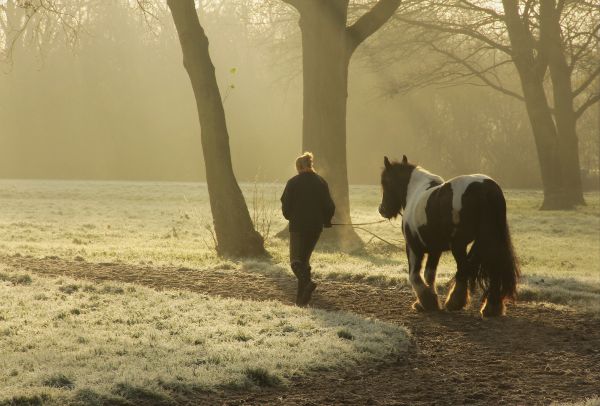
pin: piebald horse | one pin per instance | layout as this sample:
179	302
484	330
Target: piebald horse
438	216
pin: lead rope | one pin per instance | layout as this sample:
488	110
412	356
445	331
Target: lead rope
358	224
358	227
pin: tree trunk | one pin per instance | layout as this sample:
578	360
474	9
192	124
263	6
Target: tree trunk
327	46
531	73
325	72
566	120
556	196
234	230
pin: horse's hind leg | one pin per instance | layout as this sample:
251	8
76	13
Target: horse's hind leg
459	294
493	305
493	302
427	300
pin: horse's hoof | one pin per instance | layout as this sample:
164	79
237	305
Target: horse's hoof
454	306
457	298
493	309
418	307
455	303
427	303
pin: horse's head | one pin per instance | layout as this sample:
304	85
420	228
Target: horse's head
394	181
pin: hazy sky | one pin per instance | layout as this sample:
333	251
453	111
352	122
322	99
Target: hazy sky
119	105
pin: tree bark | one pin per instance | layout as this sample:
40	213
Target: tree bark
553	126
325	71
531	72
327	47
565	117
233	226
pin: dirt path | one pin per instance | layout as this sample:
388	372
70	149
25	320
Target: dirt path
535	355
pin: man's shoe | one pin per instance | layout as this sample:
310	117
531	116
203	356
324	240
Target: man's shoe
300	293
307	293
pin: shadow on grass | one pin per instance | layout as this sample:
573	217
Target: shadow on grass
27	400
583	295
281	276
517	334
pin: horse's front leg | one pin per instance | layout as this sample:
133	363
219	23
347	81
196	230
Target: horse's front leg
459	294
427	299
433	259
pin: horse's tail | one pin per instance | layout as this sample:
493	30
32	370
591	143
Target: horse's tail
496	267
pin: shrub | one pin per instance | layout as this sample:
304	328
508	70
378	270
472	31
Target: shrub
262	377
59	381
345	334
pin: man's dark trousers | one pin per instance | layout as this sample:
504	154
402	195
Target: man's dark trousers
302	245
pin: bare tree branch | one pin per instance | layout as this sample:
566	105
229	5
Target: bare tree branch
480	74
593	99
462	30
468	5
586	45
370	22
588	81
14	35
145	7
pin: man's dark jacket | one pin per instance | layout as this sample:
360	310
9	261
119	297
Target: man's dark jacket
306	203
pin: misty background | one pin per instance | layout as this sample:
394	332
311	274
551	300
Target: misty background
115	103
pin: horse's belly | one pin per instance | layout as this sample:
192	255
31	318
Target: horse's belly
437	248
436	239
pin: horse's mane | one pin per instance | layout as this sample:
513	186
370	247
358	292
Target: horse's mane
431	176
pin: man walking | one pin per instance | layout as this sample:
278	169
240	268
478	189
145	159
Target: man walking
308	206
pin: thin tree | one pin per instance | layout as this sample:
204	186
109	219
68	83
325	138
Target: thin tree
235	234
234	230
551	44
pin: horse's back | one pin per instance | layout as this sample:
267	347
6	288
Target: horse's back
470	193
460	184
448	208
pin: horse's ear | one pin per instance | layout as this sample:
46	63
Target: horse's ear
387	162
404	159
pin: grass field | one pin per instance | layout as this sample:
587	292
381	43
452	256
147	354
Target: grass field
62	340
167	224
66	340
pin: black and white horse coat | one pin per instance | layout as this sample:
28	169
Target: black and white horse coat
438	216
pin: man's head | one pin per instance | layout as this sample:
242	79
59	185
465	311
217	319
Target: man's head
304	163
